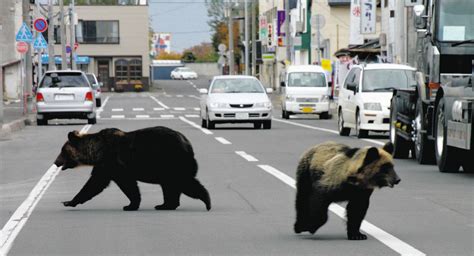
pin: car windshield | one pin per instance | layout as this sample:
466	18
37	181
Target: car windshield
64	80
455	21
245	85
385	80
306	79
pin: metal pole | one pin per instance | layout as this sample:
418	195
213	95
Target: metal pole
231	41
63	35
318	35
51	62
40	51
254	38
246	37
72	30
287	30
27	64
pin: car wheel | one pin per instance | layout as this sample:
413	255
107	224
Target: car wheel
360	133
267	124
41	122
423	147
210	124
447	157
92	120
340	125
285	114
98	102
203	123
257	125
401	147
324	115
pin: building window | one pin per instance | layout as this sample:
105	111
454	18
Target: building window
98	32
128	70
121	70
135	67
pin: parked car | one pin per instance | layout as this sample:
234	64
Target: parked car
96	85
364	99
183	73
65	94
304	90
236	99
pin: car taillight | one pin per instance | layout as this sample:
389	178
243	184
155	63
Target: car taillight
89	96
39	97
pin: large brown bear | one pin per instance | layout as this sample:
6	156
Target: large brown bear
155	155
332	172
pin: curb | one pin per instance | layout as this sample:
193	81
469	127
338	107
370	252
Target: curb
14	126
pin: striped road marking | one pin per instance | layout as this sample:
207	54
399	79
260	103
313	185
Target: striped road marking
117	116
117	109
204	130
138	109
159	102
142	116
223	141
246	156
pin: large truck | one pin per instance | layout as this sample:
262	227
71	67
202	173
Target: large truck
434	118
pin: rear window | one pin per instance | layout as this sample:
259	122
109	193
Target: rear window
91	78
64	80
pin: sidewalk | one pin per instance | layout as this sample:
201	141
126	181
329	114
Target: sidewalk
13	118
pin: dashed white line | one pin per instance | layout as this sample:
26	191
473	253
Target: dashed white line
167	116
246	156
204	130
179	96
159	102
223	141
117	116
142	116
192	116
117	109
197	109
138	109
158	109
102	107
179	109
194	97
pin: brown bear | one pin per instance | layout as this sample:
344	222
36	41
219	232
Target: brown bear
333	172
157	155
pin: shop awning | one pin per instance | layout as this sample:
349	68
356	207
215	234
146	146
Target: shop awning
57	59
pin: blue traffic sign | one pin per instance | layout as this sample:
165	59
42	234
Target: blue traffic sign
24	34
40	42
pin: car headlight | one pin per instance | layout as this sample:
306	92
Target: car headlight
373	106
267	104
217	105
290	98
325	98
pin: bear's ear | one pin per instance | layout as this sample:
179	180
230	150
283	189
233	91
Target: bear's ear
388	147
73	137
371	156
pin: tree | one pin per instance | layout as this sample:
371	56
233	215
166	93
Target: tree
188	57
162	55
203	52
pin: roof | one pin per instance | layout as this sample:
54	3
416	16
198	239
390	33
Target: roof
305	68
64	71
385	66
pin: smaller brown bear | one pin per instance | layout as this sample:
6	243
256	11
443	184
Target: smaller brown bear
333	172
157	155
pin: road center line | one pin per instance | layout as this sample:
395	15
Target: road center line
17	221
204	130
159	102
223	141
389	240
246	156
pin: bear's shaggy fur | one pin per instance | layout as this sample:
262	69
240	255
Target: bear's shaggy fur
155	155
332	172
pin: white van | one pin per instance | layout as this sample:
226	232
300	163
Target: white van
304	91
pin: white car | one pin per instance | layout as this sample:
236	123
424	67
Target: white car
364	99
183	73
236	99
96	86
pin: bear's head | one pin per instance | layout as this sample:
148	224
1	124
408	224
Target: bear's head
87	149
373	167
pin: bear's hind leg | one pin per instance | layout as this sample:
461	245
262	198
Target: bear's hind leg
130	188
356	210
194	189
171	194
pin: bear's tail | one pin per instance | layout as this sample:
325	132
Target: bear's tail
194	189
303	193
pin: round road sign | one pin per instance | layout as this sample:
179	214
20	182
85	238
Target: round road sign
21	47
40	25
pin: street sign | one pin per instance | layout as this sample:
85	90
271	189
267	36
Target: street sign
40	42
326	64
24	34
318	21
68	49
40	25
21	47
221	47
76	45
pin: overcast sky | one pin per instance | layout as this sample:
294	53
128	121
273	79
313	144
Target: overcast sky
186	20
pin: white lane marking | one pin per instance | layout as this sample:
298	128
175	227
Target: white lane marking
159	102
204	130
117	109
17	221
168	96
192	116
194	97
134	118
246	156
197	109
102	107
223	141
179	96
85	129
179	109
142	116
167	116
158	109
323	130
138	109
117	116
389	240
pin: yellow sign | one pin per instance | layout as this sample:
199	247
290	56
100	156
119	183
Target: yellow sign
326	64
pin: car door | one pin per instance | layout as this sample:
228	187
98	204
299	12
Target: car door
344	94
352	98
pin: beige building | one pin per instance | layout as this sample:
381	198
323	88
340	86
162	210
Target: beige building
113	43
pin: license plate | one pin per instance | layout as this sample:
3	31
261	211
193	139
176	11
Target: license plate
307	110
64	97
242	115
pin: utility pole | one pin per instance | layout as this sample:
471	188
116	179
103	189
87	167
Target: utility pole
63	35
231	40
246	24
28	65
51	62
39	72
72	30
254	38
287	30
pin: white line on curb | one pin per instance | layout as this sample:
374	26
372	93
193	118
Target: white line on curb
223	141
19	218
204	130
159	102
246	156
389	240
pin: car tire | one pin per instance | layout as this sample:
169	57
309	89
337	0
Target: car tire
285	114
343	131
210	124
360	133
447	157
91	120
203	123
324	115
41	122
257	125
423	148
98	102
267	124
401	147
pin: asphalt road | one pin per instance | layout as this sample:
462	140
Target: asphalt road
250	176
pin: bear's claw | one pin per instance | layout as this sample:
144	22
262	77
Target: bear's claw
69	204
357	236
166	207
130	208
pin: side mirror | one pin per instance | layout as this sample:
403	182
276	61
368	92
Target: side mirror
352	87
203	91
282	84
269	90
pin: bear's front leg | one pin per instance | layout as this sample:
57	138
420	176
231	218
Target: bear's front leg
96	184
129	187
356	210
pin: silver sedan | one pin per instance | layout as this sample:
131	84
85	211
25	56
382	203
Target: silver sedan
236	99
